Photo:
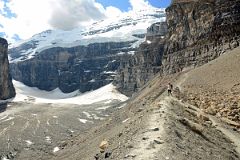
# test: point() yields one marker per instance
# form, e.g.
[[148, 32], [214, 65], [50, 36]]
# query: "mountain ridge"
[[78, 61]]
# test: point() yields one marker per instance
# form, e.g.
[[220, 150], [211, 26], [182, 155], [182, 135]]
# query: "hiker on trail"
[[169, 88]]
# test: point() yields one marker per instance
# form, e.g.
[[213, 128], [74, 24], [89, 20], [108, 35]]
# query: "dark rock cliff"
[[139, 68], [82, 67], [198, 32], [6, 87]]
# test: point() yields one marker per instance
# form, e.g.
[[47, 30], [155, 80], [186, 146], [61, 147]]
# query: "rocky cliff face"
[[82, 67], [200, 31], [84, 58], [136, 70], [6, 87]]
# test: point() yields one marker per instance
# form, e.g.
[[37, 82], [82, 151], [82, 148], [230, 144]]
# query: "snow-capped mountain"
[[130, 26], [84, 58]]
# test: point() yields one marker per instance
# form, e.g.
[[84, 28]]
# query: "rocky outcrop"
[[197, 32], [217, 103], [200, 31], [82, 67], [156, 30], [139, 68], [6, 87]]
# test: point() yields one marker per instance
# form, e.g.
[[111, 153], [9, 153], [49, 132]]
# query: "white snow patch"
[[4, 117], [96, 117], [149, 42], [93, 80], [107, 102], [23, 92], [48, 139], [71, 131], [55, 116], [56, 96], [29, 142], [123, 105], [131, 52], [56, 149], [4, 158], [10, 118], [82, 120], [121, 53], [103, 108], [109, 72], [87, 114], [125, 120]]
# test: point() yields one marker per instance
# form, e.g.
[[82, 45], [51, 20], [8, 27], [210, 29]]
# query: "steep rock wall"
[[137, 69], [82, 67], [6, 87], [200, 31]]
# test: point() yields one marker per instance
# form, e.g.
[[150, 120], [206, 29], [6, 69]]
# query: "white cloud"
[[31, 18], [112, 11], [34, 16], [139, 4], [68, 14]]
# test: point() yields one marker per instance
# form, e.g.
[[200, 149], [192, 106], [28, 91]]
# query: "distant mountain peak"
[[123, 28]]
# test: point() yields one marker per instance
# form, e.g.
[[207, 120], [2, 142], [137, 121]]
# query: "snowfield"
[[35, 95], [123, 28]]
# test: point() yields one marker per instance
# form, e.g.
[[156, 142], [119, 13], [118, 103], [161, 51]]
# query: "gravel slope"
[[154, 126]]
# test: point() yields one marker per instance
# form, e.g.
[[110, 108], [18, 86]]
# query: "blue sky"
[[124, 5], [6, 11], [20, 19]]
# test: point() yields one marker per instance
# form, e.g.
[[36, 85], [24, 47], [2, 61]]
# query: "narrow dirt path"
[[148, 142], [174, 131]]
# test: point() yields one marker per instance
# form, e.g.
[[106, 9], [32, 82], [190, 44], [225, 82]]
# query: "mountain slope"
[[198, 31], [155, 126], [84, 58]]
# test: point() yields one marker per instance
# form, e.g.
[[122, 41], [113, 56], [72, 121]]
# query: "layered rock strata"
[[82, 67], [139, 68], [197, 32], [200, 31]]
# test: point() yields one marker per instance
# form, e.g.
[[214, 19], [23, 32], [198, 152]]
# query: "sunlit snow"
[[82, 120], [29, 142], [117, 29], [35, 95], [56, 149]]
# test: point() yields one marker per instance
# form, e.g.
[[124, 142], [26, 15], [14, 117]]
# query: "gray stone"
[[155, 129], [6, 87], [158, 141]]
